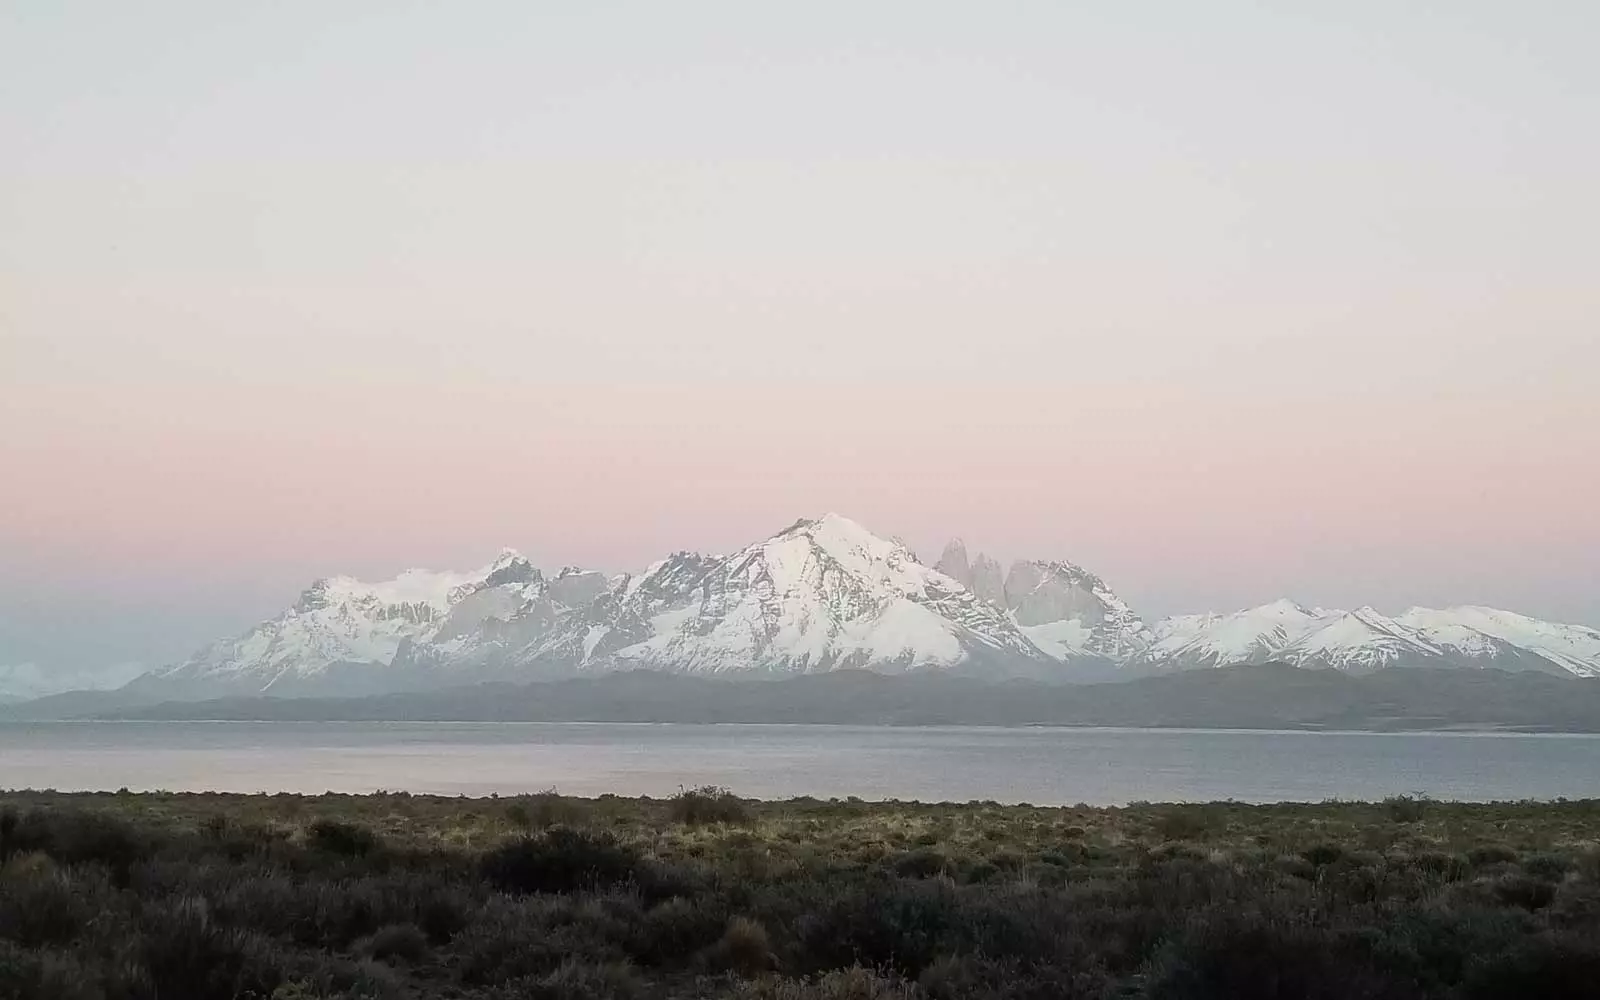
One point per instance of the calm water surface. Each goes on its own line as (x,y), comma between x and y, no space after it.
(1054,766)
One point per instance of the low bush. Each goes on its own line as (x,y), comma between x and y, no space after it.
(349,840)
(403,942)
(1488,855)
(1406,808)
(73,837)
(709,804)
(745,948)
(561,860)
(920,864)
(183,952)
(40,906)
(1185,823)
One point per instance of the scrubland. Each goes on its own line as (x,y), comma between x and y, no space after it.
(703,894)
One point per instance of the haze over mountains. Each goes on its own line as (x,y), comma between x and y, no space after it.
(822,595)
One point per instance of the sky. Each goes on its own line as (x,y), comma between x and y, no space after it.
(1224,301)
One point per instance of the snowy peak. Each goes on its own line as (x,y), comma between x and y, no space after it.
(1362,640)
(342,622)
(824,593)
(1508,640)
(1366,639)
(1255,635)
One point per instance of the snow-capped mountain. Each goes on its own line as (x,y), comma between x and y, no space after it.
(1256,635)
(1361,641)
(1067,612)
(823,594)
(1365,640)
(1507,640)
(343,634)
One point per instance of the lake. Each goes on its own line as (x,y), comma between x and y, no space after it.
(1042,766)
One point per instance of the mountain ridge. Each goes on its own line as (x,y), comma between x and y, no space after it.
(822,594)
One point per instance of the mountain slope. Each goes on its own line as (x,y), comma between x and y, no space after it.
(1508,640)
(1361,641)
(1365,640)
(1255,635)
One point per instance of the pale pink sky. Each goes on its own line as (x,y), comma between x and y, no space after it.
(1222,307)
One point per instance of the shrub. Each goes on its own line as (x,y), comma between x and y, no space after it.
(561,860)
(1245,957)
(919,864)
(405,942)
(1537,967)
(1485,855)
(671,933)
(38,975)
(1448,866)
(1183,823)
(42,907)
(545,809)
(708,804)
(350,840)
(745,948)
(183,952)
(1406,808)
(75,837)
(904,926)
(577,980)
(1525,891)
(1547,866)
(854,983)
(1577,905)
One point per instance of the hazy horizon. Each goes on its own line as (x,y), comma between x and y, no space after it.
(1224,304)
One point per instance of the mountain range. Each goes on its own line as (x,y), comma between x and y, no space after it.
(822,595)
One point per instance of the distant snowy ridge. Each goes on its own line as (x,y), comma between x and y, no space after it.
(1365,640)
(822,594)
(343,635)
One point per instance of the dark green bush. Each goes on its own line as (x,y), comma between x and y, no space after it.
(1185,823)
(1544,966)
(405,942)
(1487,855)
(899,925)
(561,860)
(43,907)
(44,975)
(1264,957)
(349,840)
(1547,866)
(708,804)
(1406,808)
(1525,891)
(919,864)
(183,952)
(74,837)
